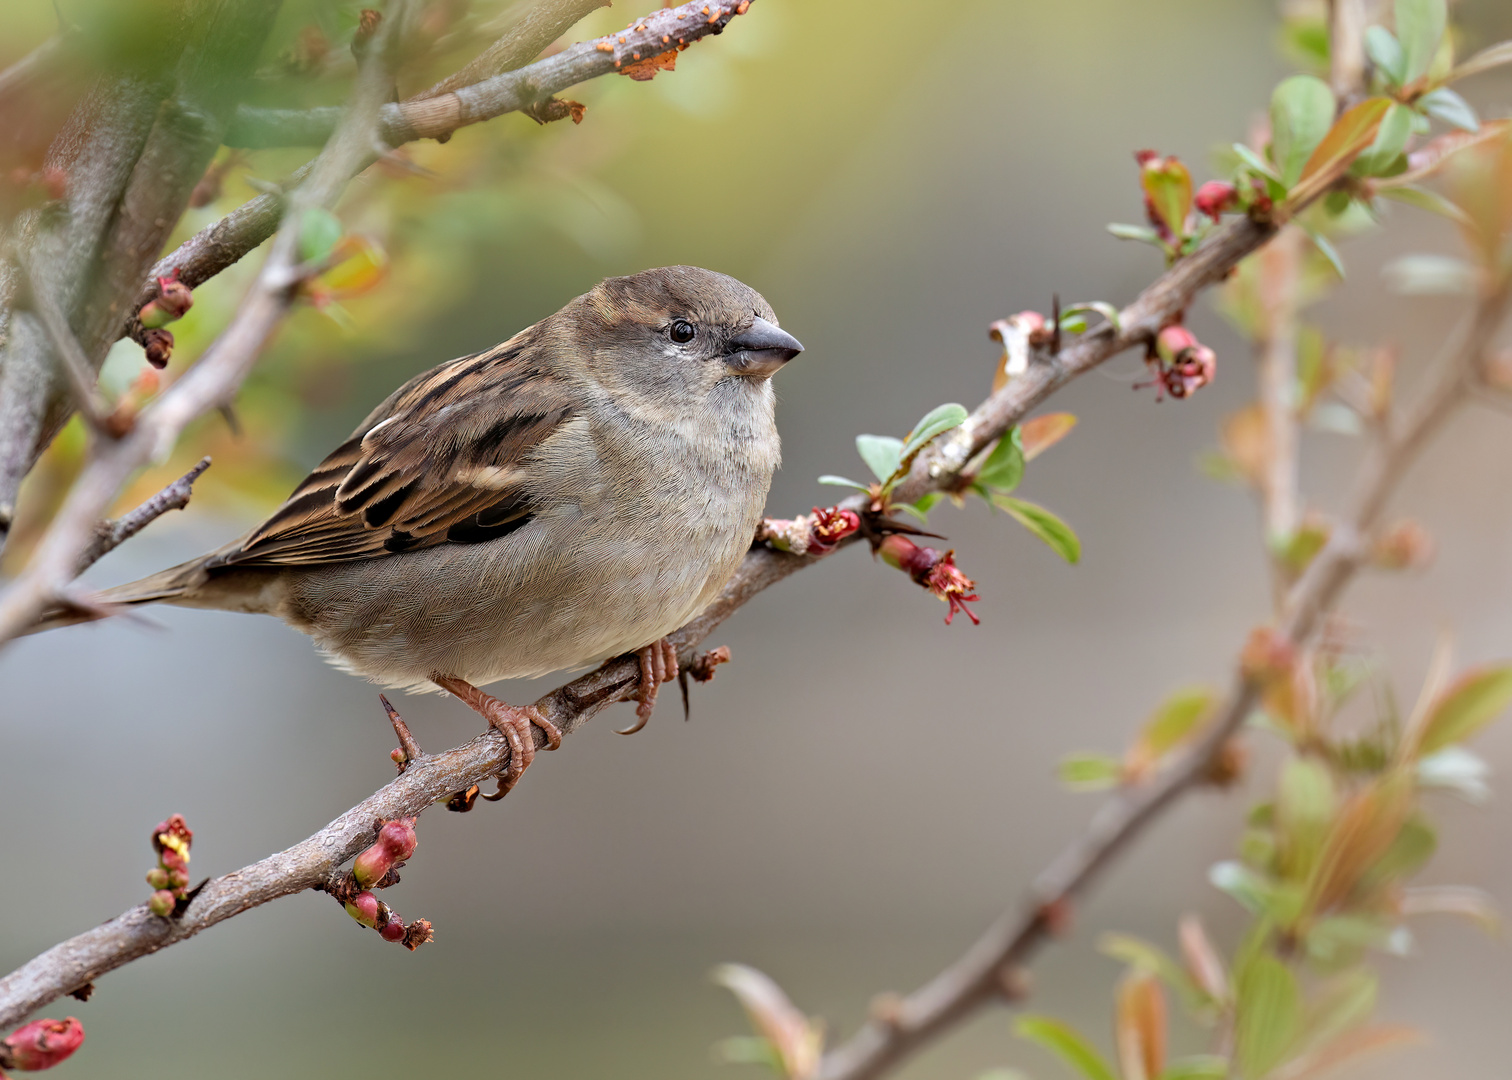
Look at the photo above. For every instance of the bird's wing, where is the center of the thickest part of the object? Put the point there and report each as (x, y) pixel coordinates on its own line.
(439, 461)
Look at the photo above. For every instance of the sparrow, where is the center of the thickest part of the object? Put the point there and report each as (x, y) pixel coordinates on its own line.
(574, 494)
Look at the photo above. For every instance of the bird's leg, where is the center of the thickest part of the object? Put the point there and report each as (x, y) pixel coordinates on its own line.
(512, 721)
(658, 664)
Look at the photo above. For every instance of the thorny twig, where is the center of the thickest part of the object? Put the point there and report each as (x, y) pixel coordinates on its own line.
(110, 535)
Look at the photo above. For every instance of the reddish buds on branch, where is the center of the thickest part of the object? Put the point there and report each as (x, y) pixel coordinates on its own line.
(815, 534)
(932, 569)
(1180, 364)
(1214, 197)
(172, 300)
(41, 1044)
(170, 878)
(395, 844)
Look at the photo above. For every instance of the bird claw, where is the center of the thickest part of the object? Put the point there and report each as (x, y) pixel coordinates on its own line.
(658, 664)
(514, 722)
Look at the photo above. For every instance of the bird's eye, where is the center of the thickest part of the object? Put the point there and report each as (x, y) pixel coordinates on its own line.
(682, 331)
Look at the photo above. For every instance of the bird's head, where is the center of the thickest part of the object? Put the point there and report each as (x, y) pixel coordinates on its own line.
(681, 331)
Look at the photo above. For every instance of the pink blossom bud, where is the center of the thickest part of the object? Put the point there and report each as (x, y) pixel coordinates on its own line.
(1214, 197)
(393, 930)
(372, 864)
(42, 1044)
(364, 908)
(161, 903)
(1173, 341)
(398, 838)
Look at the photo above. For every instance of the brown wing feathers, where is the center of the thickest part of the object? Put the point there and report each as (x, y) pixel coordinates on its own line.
(431, 465)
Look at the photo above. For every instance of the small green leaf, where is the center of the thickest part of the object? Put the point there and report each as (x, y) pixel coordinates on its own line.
(1197, 1067)
(1064, 1040)
(1256, 162)
(921, 508)
(1424, 199)
(1305, 805)
(1390, 141)
(1168, 190)
(1327, 250)
(1106, 310)
(1269, 1012)
(1242, 883)
(1142, 233)
(936, 422)
(882, 454)
(1476, 698)
(749, 1050)
(1004, 467)
(1174, 720)
(1089, 772)
(1141, 954)
(1043, 524)
(1420, 26)
(1350, 135)
(840, 481)
(1444, 104)
(319, 232)
(1302, 111)
(1385, 52)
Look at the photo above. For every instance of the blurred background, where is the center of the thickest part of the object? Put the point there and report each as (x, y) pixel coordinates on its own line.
(863, 788)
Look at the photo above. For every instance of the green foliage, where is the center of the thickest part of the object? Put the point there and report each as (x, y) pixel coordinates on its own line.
(1420, 26)
(1301, 113)
(1269, 1015)
(1067, 1043)
(1477, 698)
(1043, 524)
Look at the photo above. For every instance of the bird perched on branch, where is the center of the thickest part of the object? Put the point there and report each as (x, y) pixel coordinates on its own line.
(573, 494)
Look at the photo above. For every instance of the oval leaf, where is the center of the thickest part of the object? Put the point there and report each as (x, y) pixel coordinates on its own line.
(1065, 1041)
(1385, 51)
(936, 422)
(1269, 1012)
(1391, 139)
(1043, 524)
(1302, 113)
(1089, 772)
(882, 454)
(1004, 467)
(1419, 27)
(319, 230)
(1444, 104)
(1043, 432)
(1351, 135)
(1476, 698)
(840, 481)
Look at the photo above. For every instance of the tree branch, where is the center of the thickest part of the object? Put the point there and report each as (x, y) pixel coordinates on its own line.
(110, 535)
(535, 29)
(431, 778)
(980, 975)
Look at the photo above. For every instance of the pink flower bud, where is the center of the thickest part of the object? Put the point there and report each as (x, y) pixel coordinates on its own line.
(157, 877)
(161, 903)
(42, 1044)
(1214, 197)
(398, 838)
(393, 930)
(364, 908)
(371, 865)
(1174, 340)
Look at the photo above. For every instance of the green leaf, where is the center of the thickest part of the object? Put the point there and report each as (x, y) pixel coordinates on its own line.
(1391, 139)
(1106, 310)
(319, 232)
(936, 422)
(840, 481)
(1476, 698)
(1168, 188)
(1043, 524)
(1141, 233)
(921, 508)
(1429, 275)
(1385, 52)
(1424, 199)
(1408, 853)
(1256, 162)
(882, 454)
(1174, 720)
(1004, 467)
(1305, 805)
(1269, 1012)
(749, 1050)
(1243, 884)
(1327, 250)
(1089, 772)
(1064, 1040)
(1197, 1067)
(1444, 104)
(1302, 112)
(1141, 954)
(1346, 138)
(1485, 60)
(1419, 26)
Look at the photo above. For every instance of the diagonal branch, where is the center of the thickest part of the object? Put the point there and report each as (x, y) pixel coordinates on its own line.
(431, 778)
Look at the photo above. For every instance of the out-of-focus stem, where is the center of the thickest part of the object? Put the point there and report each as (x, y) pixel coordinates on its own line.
(1280, 265)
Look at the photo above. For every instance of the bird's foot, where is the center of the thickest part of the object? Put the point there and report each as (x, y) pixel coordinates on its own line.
(658, 664)
(514, 722)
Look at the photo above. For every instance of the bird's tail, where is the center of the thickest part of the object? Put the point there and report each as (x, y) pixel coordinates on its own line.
(176, 584)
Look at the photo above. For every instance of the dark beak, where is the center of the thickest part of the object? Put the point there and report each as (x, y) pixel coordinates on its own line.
(759, 350)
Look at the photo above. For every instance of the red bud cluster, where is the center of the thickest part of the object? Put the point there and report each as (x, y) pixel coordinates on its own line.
(932, 569)
(41, 1044)
(172, 300)
(1214, 197)
(170, 878)
(1179, 363)
(394, 846)
(375, 869)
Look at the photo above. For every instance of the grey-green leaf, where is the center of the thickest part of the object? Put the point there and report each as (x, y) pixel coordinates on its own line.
(1419, 26)
(1134, 232)
(1385, 52)
(1425, 199)
(1064, 1040)
(1302, 111)
(1255, 161)
(1444, 104)
(1269, 1012)
(882, 454)
(1043, 524)
(1004, 467)
(840, 481)
(1391, 139)
(936, 422)
(319, 232)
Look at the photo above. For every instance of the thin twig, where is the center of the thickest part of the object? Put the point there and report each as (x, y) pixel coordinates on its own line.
(110, 535)
(537, 27)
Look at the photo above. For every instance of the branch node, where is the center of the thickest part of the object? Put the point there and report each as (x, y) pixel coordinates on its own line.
(408, 750)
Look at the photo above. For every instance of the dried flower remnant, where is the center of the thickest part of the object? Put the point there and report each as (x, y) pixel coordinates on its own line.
(1179, 363)
(1018, 333)
(934, 570)
(158, 347)
(818, 533)
(41, 1044)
